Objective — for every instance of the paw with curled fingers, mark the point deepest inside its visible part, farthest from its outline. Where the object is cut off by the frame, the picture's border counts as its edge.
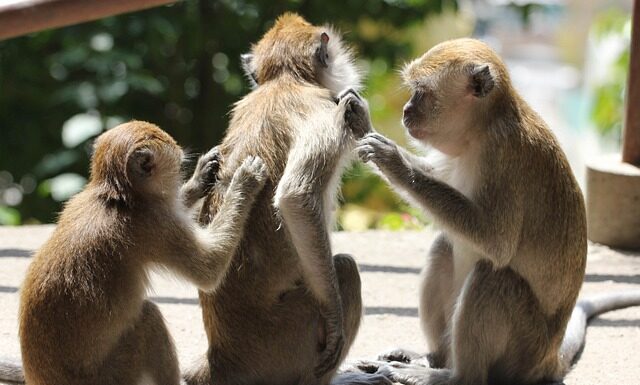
(398, 355)
(360, 378)
(250, 177)
(356, 112)
(206, 173)
(409, 374)
(203, 179)
(378, 149)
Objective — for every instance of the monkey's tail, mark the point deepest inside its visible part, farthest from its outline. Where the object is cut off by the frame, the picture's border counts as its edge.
(585, 309)
(11, 372)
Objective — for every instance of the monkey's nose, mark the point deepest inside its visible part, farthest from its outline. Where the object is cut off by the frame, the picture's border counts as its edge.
(408, 109)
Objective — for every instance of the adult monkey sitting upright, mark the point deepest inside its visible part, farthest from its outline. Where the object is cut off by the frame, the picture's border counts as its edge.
(288, 310)
(503, 277)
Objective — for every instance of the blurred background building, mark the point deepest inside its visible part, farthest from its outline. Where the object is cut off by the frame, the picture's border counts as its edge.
(178, 66)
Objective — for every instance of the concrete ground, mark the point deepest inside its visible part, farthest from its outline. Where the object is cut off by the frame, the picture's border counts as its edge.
(390, 264)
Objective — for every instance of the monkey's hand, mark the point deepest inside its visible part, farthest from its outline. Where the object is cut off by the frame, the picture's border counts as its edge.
(206, 172)
(386, 155)
(248, 179)
(334, 339)
(203, 179)
(355, 112)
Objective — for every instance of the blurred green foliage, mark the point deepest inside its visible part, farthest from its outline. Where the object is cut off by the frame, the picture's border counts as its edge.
(613, 26)
(177, 66)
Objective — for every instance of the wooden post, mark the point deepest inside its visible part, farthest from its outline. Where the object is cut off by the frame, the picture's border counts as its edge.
(26, 16)
(631, 138)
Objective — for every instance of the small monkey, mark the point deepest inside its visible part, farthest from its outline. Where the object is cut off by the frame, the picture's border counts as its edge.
(288, 309)
(503, 277)
(83, 314)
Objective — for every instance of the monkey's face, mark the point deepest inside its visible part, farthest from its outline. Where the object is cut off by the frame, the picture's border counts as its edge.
(296, 48)
(447, 97)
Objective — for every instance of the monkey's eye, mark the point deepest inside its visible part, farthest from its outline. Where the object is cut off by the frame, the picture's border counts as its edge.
(418, 96)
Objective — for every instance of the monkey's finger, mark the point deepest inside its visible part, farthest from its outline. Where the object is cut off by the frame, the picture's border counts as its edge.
(261, 173)
(365, 148)
(368, 366)
(370, 141)
(348, 91)
(358, 378)
(209, 172)
(365, 152)
(256, 164)
(246, 164)
(212, 165)
(212, 155)
(375, 137)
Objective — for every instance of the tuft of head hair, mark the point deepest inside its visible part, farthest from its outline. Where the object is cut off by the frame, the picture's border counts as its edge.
(466, 56)
(128, 154)
(306, 52)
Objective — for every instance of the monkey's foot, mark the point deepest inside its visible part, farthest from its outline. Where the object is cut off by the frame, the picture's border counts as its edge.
(409, 374)
(399, 355)
(358, 378)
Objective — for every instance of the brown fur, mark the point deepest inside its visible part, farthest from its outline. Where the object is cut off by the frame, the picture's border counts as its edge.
(270, 321)
(83, 314)
(504, 276)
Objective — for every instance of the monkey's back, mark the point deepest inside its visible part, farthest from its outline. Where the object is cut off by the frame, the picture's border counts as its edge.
(262, 297)
(76, 290)
(553, 242)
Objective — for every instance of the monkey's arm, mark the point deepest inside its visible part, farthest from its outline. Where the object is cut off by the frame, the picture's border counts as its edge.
(204, 254)
(492, 223)
(303, 198)
(203, 178)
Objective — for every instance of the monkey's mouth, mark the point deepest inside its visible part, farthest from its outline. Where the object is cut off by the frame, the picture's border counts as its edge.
(413, 127)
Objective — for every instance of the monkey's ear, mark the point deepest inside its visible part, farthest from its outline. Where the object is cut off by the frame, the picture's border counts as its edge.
(246, 59)
(142, 163)
(481, 81)
(322, 53)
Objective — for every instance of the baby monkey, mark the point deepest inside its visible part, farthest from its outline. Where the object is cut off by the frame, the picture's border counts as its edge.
(84, 319)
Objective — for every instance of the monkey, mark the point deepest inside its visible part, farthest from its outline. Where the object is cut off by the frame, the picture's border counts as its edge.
(288, 310)
(503, 276)
(83, 316)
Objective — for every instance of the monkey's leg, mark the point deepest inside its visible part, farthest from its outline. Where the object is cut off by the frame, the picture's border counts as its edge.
(349, 287)
(160, 358)
(436, 306)
(302, 199)
(436, 301)
(350, 291)
(144, 354)
(498, 330)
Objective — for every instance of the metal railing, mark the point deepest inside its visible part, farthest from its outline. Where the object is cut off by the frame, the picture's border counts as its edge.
(26, 16)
